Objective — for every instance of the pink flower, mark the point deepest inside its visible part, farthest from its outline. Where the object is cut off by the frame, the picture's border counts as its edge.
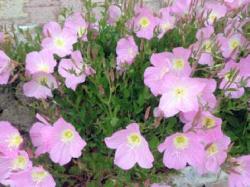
(203, 123)
(245, 70)
(181, 7)
(214, 11)
(66, 143)
(34, 177)
(179, 95)
(126, 51)
(41, 134)
(181, 149)
(42, 61)
(114, 14)
(207, 97)
(207, 44)
(10, 138)
(155, 76)
(131, 148)
(230, 45)
(60, 42)
(240, 175)
(234, 4)
(179, 59)
(73, 70)
(232, 75)
(235, 25)
(216, 153)
(51, 28)
(166, 22)
(40, 86)
(144, 23)
(77, 26)
(6, 68)
(16, 162)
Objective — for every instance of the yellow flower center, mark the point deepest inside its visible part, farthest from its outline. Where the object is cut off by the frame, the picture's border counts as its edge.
(134, 139)
(81, 31)
(212, 149)
(67, 135)
(181, 142)
(43, 81)
(234, 43)
(15, 140)
(178, 64)
(207, 46)
(59, 42)
(19, 163)
(179, 92)
(208, 122)
(165, 26)
(144, 22)
(212, 17)
(39, 176)
(43, 68)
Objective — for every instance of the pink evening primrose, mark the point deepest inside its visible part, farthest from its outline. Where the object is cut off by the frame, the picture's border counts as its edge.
(60, 42)
(207, 97)
(10, 138)
(66, 142)
(131, 148)
(16, 162)
(216, 153)
(179, 95)
(203, 123)
(155, 76)
(6, 68)
(231, 44)
(181, 7)
(240, 175)
(204, 37)
(144, 23)
(166, 21)
(234, 4)
(245, 70)
(77, 25)
(181, 149)
(34, 177)
(179, 59)
(126, 51)
(214, 11)
(42, 61)
(51, 28)
(40, 134)
(232, 75)
(114, 14)
(73, 70)
(41, 86)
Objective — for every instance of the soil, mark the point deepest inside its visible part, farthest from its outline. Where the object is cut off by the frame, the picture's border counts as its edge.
(14, 108)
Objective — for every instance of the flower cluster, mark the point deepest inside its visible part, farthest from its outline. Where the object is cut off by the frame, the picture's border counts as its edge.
(41, 65)
(16, 168)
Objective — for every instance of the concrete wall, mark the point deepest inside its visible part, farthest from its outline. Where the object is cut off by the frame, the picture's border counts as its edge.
(28, 12)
